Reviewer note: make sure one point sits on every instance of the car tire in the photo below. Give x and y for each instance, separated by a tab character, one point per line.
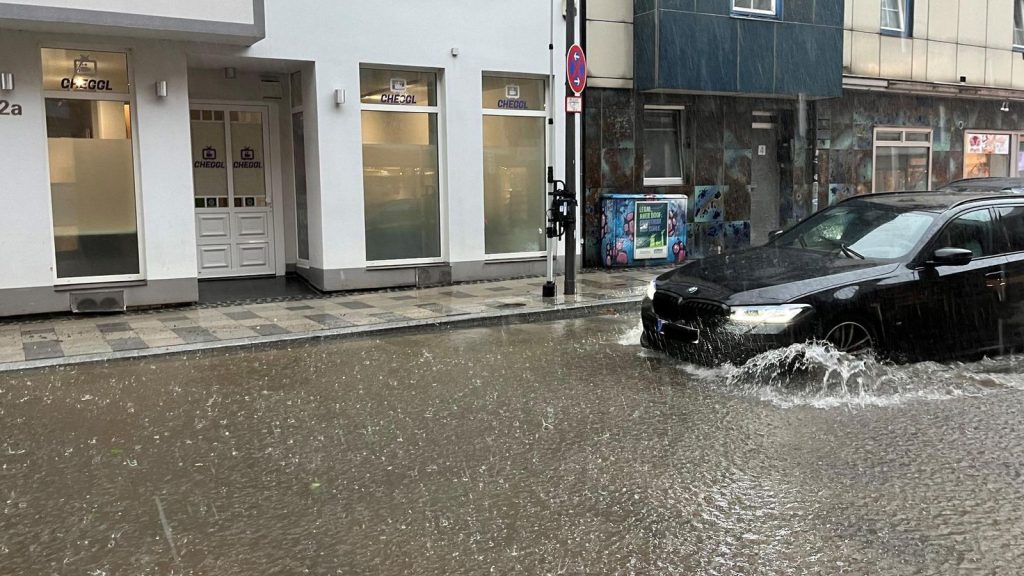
851	334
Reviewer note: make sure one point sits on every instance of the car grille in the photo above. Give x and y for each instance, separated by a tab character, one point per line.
676	308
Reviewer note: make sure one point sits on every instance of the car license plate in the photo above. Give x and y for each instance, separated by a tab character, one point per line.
677	332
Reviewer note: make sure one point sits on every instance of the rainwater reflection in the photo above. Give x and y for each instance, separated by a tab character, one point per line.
557	448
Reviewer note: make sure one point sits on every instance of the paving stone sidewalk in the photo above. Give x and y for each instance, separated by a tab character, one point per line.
52	341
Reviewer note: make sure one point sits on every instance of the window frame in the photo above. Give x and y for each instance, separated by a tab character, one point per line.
132	100
546	115
774	12
1018	15
904	9
901	143
681	124
438	110
296	109
933	244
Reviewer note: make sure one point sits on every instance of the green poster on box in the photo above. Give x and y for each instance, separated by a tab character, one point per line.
650	238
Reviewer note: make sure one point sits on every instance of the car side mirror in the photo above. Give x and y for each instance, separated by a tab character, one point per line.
951	257
774	234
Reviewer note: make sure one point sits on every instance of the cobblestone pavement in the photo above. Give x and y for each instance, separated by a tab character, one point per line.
50	341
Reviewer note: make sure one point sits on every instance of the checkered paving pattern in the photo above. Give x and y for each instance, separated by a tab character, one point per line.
26	340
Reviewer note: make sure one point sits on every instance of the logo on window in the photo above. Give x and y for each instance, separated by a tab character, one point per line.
512	92
85	66
248	153
209	153
398	85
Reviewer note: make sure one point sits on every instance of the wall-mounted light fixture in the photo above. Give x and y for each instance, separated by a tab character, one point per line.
339	96
455	52
1005	107
230	73
6	81
161	88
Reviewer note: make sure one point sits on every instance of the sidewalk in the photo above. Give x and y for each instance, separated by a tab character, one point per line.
55	341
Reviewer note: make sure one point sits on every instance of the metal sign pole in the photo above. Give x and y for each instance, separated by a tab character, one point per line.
570	162
549	286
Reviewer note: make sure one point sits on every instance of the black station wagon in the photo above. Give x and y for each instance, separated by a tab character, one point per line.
911	275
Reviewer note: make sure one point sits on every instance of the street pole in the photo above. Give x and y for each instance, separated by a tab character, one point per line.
570	161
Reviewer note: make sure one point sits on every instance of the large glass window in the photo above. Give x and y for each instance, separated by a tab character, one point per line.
663	159
987	154
92	166
400	165
902	159
514	165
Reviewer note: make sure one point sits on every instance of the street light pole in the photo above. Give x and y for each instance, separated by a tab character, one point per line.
570	161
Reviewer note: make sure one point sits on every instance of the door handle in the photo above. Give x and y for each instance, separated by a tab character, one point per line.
995	279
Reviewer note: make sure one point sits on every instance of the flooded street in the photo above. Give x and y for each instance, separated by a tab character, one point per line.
551	448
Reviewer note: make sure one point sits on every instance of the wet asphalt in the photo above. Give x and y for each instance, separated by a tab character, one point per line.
547	448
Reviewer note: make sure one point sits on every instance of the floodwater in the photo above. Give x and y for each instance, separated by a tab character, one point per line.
552	448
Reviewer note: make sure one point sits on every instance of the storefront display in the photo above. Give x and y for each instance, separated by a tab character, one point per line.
987	155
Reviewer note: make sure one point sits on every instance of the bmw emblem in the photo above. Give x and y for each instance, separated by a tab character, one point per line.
693	290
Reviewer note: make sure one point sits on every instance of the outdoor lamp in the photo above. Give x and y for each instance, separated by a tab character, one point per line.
6	81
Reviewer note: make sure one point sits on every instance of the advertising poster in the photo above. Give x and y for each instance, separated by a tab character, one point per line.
988	144
650	239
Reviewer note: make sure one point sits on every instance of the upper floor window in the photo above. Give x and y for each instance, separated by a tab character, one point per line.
1018	24
663	146
894	16
756	7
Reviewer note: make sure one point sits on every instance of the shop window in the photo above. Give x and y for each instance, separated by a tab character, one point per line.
895	17
400	165
92	165
1018	25
756	7
663	147
902	159
515	189
986	154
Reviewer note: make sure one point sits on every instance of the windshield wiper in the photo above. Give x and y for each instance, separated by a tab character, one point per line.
850	252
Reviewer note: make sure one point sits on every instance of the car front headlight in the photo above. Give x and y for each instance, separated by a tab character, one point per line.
651	289
781	314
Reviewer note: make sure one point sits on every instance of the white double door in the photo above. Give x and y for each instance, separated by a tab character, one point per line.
233	200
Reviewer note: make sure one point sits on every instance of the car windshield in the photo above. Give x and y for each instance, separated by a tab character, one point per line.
860	230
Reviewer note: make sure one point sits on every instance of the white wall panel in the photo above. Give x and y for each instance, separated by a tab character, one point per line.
999	68
865	54
941	62
610	50
942	20
896	57
230	11
973	24
867	15
1000	24
970	63
610	10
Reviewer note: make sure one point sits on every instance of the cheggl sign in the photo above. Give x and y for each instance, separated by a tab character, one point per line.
86	70
399	93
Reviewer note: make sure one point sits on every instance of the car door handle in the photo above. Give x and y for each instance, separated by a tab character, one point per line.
995	279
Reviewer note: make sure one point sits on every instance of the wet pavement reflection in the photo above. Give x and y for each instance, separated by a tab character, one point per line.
552	448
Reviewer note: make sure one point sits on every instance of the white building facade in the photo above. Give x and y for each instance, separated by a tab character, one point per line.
359	145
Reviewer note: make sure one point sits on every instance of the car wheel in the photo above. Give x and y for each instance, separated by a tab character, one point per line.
851	335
